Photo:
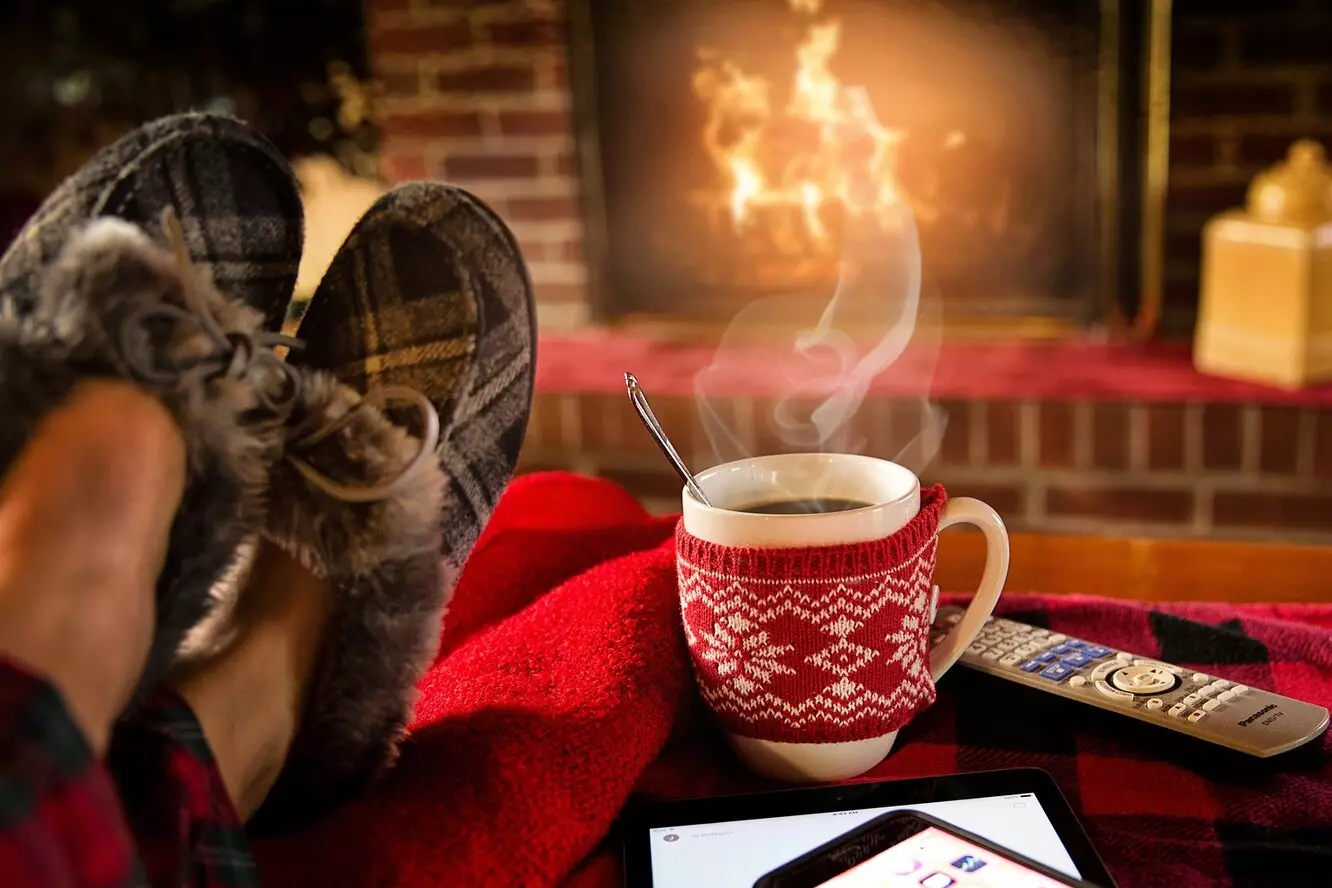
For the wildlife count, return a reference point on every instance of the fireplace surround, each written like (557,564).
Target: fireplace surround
(1011,127)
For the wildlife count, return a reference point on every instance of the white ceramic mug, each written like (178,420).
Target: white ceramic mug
(894,496)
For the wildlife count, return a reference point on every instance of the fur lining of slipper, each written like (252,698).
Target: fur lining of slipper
(80,323)
(382,560)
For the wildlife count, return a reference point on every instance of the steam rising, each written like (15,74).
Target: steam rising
(874,328)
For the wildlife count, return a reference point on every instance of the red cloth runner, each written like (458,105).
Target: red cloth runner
(564,686)
(786,643)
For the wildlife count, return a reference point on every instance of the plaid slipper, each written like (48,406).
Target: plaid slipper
(235,195)
(429,297)
(115,304)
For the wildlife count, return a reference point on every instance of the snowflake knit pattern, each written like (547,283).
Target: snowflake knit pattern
(824,644)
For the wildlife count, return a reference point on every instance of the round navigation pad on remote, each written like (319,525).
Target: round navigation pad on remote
(1144,679)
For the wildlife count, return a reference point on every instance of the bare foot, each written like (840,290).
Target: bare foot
(85,513)
(249,697)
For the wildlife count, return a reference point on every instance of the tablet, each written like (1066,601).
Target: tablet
(731,841)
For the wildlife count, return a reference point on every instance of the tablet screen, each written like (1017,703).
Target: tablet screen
(736,853)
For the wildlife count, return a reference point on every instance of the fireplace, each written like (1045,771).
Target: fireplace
(725,146)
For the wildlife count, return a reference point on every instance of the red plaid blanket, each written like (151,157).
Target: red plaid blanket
(563,688)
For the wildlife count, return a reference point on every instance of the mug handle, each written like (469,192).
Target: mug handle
(965,510)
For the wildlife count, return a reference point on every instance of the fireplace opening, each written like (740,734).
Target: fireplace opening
(726,145)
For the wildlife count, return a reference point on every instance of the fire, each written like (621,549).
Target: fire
(788,168)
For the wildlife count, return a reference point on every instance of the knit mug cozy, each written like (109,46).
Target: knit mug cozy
(810,631)
(826,644)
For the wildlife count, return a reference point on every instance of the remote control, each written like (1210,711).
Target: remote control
(1242,718)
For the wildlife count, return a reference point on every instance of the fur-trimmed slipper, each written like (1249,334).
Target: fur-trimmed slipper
(428,295)
(235,195)
(114,303)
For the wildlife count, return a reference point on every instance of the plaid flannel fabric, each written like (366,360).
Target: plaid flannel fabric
(1161,809)
(61,822)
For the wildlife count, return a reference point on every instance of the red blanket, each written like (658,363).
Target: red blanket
(563,688)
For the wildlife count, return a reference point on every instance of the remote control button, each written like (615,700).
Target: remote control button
(1027,649)
(1177,709)
(1039,632)
(1077,681)
(1155,703)
(1095,651)
(1032,665)
(1056,672)
(1207,691)
(1239,689)
(1226,696)
(1075,659)
(1199,677)
(990,655)
(1074,643)
(977,648)
(1107,691)
(1063,648)
(1197,716)
(1192,698)
(1004,647)
(1124,658)
(1011,660)
(1211,704)
(1046,657)
(1173,670)
(1057,637)
(1144,679)
(1102,672)
(1221,683)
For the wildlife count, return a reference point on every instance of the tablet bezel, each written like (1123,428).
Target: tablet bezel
(639,819)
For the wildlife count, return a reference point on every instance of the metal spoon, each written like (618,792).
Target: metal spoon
(640,403)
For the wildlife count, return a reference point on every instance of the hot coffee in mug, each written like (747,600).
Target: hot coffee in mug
(807,599)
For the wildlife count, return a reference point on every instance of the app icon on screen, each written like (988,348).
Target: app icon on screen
(903,866)
(670,837)
(968,864)
(937,880)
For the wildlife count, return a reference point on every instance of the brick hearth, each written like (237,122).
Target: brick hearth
(477,93)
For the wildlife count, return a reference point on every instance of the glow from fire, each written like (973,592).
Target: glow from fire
(784,170)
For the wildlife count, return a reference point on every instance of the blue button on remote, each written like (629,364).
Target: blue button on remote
(1074,643)
(1056,672)
(1032,665)
(1045,657)
(1095,651)
(1062,648)
(1075,659)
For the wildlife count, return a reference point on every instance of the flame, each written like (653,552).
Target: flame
(844,157)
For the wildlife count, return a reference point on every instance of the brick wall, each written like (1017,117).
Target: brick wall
(1248,78)
(1176,470)
(476,92)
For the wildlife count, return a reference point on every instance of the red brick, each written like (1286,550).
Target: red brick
(1205,200)
(542,209)
(1110,436)
(1003,433)
(1222,444)
(1192,150)
(1236,99)
(646,483)
(545,427)
(403,167)
(600,421)
(400,84)
(1259,150)
(1280,434)
(1195,49)
(1272,510)
(534,123)
(560,293)
(1055,435)
(487,79)
(559,73)
(1165,436)
(1009,500)
(566,164)
(901,429)
(420,39)
(571,251)
(431,124)
(679,417)
(1152,505)
(490,166)
(1285,46)
(956,446)
(525,32)
(785,425)
(1323,445)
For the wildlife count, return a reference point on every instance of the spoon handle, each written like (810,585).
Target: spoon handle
(654,428)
